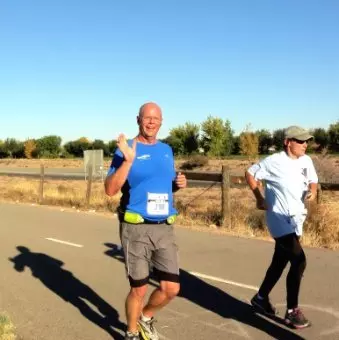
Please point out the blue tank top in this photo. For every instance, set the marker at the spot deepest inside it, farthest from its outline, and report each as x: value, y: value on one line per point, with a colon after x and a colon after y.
x: 148, y: 188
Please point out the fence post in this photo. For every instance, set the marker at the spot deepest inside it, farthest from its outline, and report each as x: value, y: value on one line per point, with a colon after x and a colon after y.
x: 41, y: 186
x: 319, y: 194
x: 225, y: 198
x: 89, y: 185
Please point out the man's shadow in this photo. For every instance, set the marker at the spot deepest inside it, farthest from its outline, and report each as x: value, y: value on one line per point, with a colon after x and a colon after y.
x: 62, y: 282
x: 217, y: 301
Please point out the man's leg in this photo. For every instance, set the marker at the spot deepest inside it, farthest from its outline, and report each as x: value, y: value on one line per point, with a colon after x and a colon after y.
x: 133, y: 305
x: 137, y: 255
x: 165, y: 266
x: 161, y: 297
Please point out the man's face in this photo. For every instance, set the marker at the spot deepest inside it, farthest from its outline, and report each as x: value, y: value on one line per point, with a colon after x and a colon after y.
x: 150, y: 121
x: 297, y: 147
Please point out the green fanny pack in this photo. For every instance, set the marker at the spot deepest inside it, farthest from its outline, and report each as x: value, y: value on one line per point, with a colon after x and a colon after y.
x: 135, y: 218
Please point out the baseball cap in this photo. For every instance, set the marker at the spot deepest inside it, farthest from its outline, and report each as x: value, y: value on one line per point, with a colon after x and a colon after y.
x: 297, y: 132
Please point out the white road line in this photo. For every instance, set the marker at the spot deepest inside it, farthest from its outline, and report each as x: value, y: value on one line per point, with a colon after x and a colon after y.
x: 200, y: 275
x: 64, y: 242
x: 218, y: 279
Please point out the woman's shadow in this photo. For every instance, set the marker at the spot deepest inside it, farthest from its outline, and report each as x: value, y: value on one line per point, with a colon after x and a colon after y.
x: 63, y: 283
x: 217, y: 301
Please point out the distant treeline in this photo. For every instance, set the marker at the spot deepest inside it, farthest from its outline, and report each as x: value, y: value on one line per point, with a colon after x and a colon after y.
x: 213, y: 137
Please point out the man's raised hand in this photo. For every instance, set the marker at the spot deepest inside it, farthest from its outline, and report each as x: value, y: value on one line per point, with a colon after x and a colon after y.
x: 127, y: 151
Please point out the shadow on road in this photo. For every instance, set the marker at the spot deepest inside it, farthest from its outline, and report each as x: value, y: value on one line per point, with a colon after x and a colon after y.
x: 217, y: 301
x: 63, y: 283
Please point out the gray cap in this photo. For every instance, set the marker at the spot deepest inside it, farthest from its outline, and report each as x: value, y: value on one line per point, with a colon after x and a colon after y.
x: 297, y: 132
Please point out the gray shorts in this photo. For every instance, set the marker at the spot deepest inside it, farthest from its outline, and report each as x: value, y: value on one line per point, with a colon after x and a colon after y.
x: 147, y: 245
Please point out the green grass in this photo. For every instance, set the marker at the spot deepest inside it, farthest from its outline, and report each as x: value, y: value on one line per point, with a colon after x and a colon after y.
x: 6, y: 328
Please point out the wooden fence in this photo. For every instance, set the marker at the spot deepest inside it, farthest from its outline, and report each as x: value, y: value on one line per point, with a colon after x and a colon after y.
x: 226, y: 179
x: 229, y: 180
x: 88, y: 189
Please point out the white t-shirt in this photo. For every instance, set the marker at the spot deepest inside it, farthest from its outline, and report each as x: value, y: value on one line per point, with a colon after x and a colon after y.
x: 287, y: 181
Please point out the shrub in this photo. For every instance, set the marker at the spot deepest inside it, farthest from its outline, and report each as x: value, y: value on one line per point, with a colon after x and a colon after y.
x: 249, y: 143
x: 195, y: 161
x: 30, y: 147
x: 327, y: 168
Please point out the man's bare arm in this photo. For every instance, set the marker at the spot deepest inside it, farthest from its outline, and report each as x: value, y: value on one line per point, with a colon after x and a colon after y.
x: 114, y: 182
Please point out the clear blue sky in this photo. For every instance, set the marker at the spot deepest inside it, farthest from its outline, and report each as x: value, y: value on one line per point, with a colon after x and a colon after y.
x: 82, y: 68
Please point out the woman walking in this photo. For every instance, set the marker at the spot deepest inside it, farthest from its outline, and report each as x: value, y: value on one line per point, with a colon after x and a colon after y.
x: 290, y: 179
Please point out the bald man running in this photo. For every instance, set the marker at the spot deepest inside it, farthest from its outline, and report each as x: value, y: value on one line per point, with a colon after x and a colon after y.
x: 143, y: 169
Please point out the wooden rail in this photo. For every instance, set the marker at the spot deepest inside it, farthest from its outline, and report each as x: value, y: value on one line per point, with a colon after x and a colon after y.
x: 238, y: 179
x: 229, y: 180
x: 226, y: 178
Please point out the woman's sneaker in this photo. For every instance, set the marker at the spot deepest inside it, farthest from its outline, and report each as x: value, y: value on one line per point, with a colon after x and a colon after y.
x: 263, y: 305
x: 296, y: 319
x: 132, y: 336
x: 147, y: 330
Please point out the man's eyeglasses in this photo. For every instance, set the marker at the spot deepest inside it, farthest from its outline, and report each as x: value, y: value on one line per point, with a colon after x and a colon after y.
x: 299, y: 141
x: 148, y: 119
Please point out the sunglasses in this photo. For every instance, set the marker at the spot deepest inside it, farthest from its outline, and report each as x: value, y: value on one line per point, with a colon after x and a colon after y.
x: 299, y: 141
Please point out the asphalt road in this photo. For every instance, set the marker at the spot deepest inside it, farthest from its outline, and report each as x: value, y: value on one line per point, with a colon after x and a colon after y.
x: 76, y: 290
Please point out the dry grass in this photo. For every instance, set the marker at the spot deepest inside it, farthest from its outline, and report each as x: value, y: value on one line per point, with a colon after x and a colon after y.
x: 56, y: 192
x: 321, y: 227
x: 199, y: 208
x: 238, y: 165
x: 202, y: 209
x: 327, y: 168
x: 6, y: 328
x: 35, y: 163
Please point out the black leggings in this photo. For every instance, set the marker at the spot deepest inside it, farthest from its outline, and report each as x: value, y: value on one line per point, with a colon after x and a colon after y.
x: 287, y: 249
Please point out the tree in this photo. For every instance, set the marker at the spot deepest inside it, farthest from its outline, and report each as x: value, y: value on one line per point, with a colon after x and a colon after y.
x: 77, y: 147
x: 249, y: 143
x: 99, y: 144
x: 112, y: 146
x: 217, y: 137
x: 236, y: 145
x: 333, y: 132
x: 19, y: 151
x: 321, y: 138
x: 184, y: 139
x: 49, y: 146
x: 175, y: 144
x: 3, y: 151
x: 278, y: 139
x: 84, y: 141
x: 14, y: 148
x: 265, y: 141
x: 30, y: 147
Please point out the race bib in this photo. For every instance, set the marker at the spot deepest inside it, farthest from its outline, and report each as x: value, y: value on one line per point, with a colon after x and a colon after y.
x: 157, y: 204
